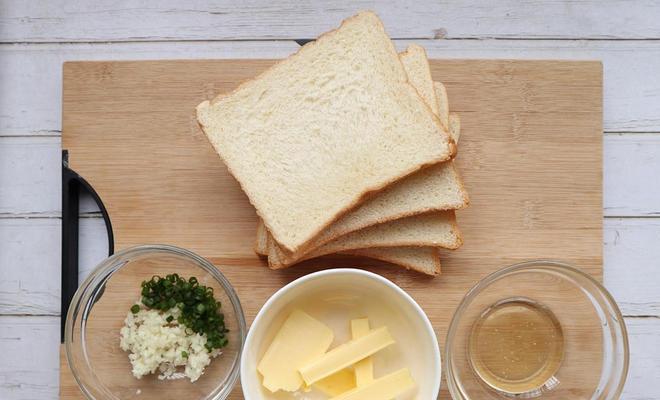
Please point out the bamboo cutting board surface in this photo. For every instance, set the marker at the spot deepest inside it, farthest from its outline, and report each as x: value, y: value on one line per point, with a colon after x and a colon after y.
x: 530, y: 154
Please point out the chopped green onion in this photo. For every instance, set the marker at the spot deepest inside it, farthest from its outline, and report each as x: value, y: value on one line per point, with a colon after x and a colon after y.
x: 199, y: 310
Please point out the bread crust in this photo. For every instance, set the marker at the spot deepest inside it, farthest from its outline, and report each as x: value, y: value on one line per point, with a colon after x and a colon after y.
x: 409, y: 266
x: 279, y: 261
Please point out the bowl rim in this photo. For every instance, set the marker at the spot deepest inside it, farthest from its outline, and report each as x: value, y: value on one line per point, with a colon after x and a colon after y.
x: 428, y: 327
x: 565, y: 270
x: 106, y: 268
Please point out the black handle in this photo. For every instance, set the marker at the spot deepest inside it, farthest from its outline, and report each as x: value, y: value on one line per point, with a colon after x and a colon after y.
x: 72, y: 185
x: 302, y: 42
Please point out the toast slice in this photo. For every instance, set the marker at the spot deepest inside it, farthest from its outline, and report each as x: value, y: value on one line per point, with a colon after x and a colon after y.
x: 455, y: 126
x: 443, y: 103
x: 261, y: 242
x: 417, y: 67
x: 315, y: 134
x: 421, y: 259
x: 436, y: 188
x: 437, y: 229
x: 408, y: 231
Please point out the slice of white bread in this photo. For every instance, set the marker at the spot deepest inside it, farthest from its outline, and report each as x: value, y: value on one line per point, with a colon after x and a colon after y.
x: 455, y: 126
x: 443, y: 103
x: 436, y: 229
x: 314, y: 135
x: 261, y: 242
x: 416, y: 64
x: 422, y: 259
x: 436, y: 188
x: 425, y: 260
x: 408, y: 231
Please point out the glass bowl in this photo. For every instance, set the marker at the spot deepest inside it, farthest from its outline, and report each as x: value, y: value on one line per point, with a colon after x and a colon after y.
x: 539, y: 329
x: 97, y: 312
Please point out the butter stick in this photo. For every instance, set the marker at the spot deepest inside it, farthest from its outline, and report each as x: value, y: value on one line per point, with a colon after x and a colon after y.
x: 384, y: 388
x: 300, y: 340
x: 346, y: 355
x: 364, y: 369
x: 337, y: 383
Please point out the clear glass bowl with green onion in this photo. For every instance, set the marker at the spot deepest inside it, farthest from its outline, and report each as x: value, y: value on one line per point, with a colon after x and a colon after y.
x: 154, y: 281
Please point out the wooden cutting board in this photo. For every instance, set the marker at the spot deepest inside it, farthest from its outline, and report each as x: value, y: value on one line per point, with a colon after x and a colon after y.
x: 530, y: 154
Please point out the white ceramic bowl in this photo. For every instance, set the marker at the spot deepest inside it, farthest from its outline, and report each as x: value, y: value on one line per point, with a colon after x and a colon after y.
x: 335, y: 297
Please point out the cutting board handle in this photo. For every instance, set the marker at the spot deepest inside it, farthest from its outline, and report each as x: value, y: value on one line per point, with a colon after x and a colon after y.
x: 72, y: 185
x: 302, y: 42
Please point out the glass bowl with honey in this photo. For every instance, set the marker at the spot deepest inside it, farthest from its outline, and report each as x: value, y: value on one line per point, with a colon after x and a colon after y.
x: 539, y: 329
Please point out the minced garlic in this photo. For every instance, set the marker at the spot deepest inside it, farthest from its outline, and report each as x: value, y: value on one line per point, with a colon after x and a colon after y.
x: 158, y: 345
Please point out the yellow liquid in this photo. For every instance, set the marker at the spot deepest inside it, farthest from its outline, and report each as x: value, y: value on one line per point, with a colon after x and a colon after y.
x: 516, y: 346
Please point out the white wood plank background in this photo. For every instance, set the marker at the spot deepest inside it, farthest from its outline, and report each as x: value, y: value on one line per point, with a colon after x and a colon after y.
x: 131, y: 20
x: 37, y: 36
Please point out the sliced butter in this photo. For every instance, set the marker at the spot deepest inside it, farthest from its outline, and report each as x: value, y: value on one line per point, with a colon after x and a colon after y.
x: 337, y: 383
x: 384, y: 388
x: 346, y: 379
x: 346, y: 355
x: 364, y: 369
x: 300, y: 340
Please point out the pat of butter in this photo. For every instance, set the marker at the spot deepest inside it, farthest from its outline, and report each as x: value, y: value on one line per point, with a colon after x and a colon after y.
x: 346, y: 355
x: 345, y: 380
x: 337, y: 383
x: 384, y: 388
x: 364, y: 369
x: 300, y: 340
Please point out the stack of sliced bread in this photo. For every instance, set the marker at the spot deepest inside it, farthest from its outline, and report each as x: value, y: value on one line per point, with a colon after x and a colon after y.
x: 345, y: 147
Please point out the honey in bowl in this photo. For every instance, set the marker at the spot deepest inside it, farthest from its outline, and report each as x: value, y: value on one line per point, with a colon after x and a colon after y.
x: 516, y: 346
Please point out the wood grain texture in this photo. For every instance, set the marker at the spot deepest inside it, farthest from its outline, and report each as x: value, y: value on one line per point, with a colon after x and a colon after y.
x: 629, y: 245
x: 628, y: 74
x: 507, y: 107
x: 29, y: 176
x: 31, y: 343
x: 62, y: 20
x: 31, y: 74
